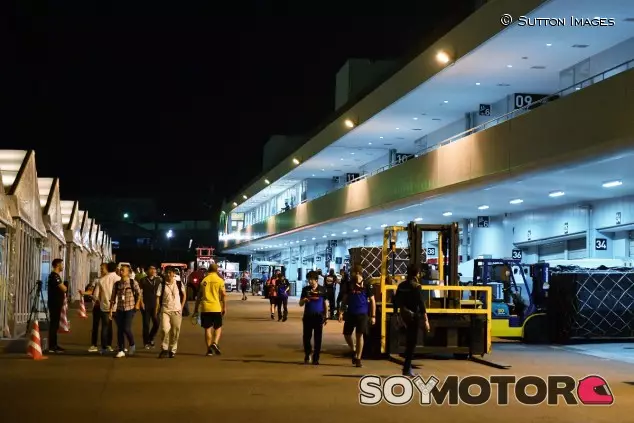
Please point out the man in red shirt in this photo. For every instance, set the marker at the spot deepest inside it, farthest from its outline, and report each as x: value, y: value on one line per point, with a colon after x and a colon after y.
x: 244, y: 284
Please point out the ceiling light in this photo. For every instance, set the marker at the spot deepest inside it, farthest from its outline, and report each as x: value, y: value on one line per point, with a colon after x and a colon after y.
x: 352, y: 154
x: 548, y: 45
x: 442, y: 57
x: 369, y: 143
x: 509, y: 66
x: 344, y: 233
x: 577, y: 89
x: 356, y: 230
x: 341, y: 159
x: 325, y: 236
x: 612, y: 184
x: 303, y: 240
x: 447, y: 214
x: 323, y: 170
x: 557, y: 194
x: 516, y: 201
x: 296, y: 161
x: 446, y: 101
x: 349, y: 123
x: 367, y: 228
x: 415, y: 118
x: 313, y: 175
x: 313, y: 238
x: 400, y: 222
x: 380, y: 137
x: 266, y: 181
x: 483, y: 208
x: 418, y: 219
x: 244, y: 196
x: 384, y: 225
x: 398, y: 129
x: 333, y: 234
x: 235, y: 204
x: 477, y: 83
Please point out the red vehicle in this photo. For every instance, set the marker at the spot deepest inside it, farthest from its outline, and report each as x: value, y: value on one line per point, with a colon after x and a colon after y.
x: 194, y: 279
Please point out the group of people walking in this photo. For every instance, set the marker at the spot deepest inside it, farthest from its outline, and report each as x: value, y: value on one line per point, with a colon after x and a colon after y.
x: 116, y: 296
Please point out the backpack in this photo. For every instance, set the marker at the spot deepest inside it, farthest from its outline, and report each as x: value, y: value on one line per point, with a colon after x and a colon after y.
x: 179, y: 284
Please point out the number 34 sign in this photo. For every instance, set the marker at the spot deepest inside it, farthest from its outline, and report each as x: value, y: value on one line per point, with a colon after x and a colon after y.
x: 601, y: 244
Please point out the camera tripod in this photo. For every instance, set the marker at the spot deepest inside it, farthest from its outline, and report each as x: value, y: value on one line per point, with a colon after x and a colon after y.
x: 36, y: 296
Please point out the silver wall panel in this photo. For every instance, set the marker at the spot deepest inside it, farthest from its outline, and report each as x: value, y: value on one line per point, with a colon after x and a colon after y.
x: 577, y: 128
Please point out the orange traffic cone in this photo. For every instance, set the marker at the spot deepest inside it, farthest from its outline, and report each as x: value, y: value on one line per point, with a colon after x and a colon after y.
x: 82, y: 308
x: 64, y: 324
x: 34, y: 347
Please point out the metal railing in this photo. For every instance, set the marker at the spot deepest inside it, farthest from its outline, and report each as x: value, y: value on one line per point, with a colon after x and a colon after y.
x: 489, y: 124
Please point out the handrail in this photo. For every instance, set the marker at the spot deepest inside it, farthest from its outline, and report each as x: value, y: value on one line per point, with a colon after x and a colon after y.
x: 493, y: 122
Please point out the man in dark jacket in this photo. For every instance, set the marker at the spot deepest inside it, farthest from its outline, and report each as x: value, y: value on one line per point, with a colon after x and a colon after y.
x: 149, y: 286
x: 410, y: 310
x: 56, y: 293
x: 282, y: 288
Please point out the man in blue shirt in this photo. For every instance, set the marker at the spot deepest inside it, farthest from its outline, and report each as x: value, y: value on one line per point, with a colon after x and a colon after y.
x: 315, y: 303
x: 358, y: 302
x: 283, y: 287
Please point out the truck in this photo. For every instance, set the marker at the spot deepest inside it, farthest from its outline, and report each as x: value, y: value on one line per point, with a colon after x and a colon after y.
x: 230, y: 271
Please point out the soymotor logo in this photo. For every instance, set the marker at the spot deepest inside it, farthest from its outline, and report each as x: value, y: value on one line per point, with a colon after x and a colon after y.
x: 477, y: 390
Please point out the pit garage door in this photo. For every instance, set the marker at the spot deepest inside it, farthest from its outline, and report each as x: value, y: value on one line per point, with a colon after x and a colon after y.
x: 577, y: 249
x: 553, y: 251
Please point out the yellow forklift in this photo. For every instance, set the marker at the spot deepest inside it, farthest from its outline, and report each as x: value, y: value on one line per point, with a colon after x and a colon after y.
x: 460, y: 321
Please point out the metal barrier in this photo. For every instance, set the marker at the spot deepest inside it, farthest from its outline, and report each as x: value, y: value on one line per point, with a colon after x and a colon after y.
x: 464, y: 307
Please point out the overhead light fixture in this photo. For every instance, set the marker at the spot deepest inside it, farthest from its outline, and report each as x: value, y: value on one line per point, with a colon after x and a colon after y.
x: 509, y: 66
x: 400, y: 222
x: 313, y: 175
x: 398, y: 129
x: 344, y: 233
x: 418, y: 219
x: 446, y: 101
x: 313, y: 238
x: 333, y: 234
x: 557, y: 194
x: 483, y: 208
x: 356, y: 230
x: 369, y: 143
x: 367, y: 228
x: 381, y: 138
x: 266, y: 181
x: 477, y: 83
x: 442, y: 57
x: 341, y: 159
x: 244, y: 196
x: 352, y: 154
x: 384, y: 225
x: 612, y: 184
x: 548, y: 45
x: 323, y: 170
x: 235, y: 204
x: 415, y: 118
x: 516, y: 201
x: 446, y: 214
x: 303, y: 240
x: 325, y: 236
x: 295, y: 160
x: 349, y: 123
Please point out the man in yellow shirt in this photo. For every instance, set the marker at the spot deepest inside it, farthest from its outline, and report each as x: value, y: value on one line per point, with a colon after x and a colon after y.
x: 211, y: 300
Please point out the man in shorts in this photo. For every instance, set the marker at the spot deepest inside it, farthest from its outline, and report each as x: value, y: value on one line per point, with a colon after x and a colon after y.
x: 212, y: 303
x: 358, y: 302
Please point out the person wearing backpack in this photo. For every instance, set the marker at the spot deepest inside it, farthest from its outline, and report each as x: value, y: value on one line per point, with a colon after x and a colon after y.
x: 125, y: 300
x: 171, y: 298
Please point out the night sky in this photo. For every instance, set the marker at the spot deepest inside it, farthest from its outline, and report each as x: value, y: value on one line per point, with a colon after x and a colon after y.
x: 163, y: 102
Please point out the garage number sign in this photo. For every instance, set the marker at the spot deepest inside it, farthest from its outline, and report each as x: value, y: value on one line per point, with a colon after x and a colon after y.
x: 516, y: 255
x: 601, y: 244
